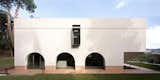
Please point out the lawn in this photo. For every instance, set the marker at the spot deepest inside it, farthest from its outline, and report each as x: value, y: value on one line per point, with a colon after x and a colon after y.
x: 149, y: 66
x: 85, y: 77
x: 6, y: 62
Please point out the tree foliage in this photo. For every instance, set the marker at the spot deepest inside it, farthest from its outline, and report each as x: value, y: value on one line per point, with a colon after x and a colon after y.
x: 3, y: 31
x: 28, y: 5
x: 3, y: 20
x: 15, y: 5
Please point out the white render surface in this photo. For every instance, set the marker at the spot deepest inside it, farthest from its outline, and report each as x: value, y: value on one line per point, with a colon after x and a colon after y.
x: 51, y: 37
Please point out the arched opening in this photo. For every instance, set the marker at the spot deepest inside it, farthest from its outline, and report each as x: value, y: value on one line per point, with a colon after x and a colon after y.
x: 65, y: 61
x: 95, y: 61
x: 35, y: 61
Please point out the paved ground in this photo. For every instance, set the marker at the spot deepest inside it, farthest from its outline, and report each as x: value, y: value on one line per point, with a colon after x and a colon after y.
x: 3, y: 74
x: 138, y: 70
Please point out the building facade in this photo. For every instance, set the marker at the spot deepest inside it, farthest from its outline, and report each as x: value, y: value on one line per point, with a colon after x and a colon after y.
x: 78, y: 44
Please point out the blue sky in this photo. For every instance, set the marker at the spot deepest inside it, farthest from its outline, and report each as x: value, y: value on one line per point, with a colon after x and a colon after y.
x: 149, y: 9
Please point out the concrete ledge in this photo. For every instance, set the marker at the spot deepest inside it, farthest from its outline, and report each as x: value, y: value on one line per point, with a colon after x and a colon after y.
x: 114, y: 68
x: 78, y: 69
x: 50, y: 69
x: 20, y: 67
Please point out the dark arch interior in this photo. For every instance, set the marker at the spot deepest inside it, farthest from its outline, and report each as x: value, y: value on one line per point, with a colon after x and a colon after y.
x: 65, y: 61
x: 95, y: 61
x: 35, y: 61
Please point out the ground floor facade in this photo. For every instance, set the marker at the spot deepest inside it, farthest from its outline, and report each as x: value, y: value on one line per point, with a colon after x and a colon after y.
x: 65, y: 61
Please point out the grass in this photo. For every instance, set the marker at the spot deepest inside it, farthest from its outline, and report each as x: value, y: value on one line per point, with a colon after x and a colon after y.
x: 6, y: 62
x: 149, y: 66
x: 84, y: 77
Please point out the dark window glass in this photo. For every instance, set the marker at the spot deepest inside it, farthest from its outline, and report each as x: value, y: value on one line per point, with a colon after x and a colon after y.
x: 75, y: 36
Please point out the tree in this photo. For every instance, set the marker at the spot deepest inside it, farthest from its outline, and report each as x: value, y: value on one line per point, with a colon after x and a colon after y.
x: 29, y: 5
x: 3, y: 31
x: 4, y: 41
x: 3, y: 20
x: 7, y: 5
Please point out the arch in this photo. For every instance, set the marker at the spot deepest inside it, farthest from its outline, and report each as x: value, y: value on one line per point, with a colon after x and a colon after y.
x: 35, y: 61
x: 95, y: 61
x: 65, y: 61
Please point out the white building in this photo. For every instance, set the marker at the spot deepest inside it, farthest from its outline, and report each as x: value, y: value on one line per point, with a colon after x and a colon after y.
x: 78, y: 44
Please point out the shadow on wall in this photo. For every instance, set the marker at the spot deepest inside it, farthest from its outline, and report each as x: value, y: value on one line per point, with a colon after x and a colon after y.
x: 117, y: 39
x: 36, y: 41
x: 35, y: 60
x: 128, y: 39
x: 135, y: 41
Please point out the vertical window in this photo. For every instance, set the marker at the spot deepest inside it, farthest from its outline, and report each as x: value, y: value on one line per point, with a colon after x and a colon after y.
x: 75, y: 36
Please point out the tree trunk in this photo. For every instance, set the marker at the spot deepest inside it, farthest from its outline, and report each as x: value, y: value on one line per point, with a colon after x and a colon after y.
x: 17, y: 10
x: 10, y: 31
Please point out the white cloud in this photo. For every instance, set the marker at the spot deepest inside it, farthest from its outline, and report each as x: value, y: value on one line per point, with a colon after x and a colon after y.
x: 120, y: 3
x: 153, y: 37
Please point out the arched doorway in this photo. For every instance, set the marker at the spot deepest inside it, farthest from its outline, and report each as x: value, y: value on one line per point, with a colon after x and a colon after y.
x: 65, y: 61
x: 35, y: 61
x: 95, y: 61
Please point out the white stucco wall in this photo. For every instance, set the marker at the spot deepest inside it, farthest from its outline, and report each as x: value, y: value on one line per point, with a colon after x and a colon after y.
x: 50, y: 37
